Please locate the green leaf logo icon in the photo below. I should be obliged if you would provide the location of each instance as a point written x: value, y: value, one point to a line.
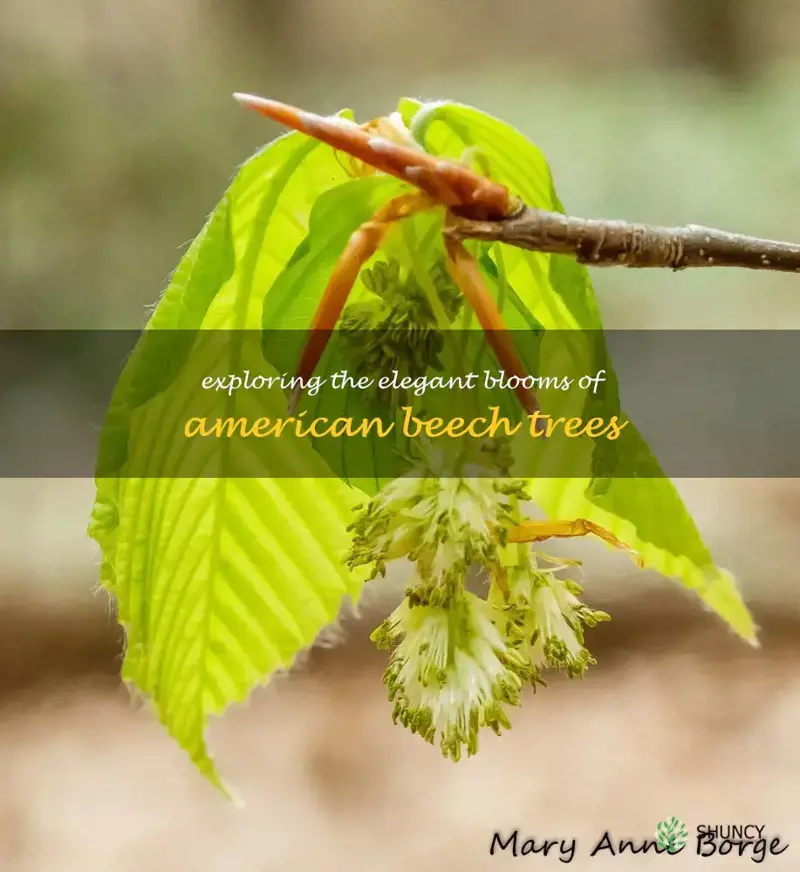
x: 672, y: 835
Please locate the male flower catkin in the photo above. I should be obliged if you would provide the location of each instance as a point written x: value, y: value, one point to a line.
x: 451, y: 671
x: 442, y: 524
x: 459, y: 661
x: 543, y: 617
x: 394, y: 328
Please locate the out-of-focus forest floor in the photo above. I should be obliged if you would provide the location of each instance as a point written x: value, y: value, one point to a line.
x: 677, y: 719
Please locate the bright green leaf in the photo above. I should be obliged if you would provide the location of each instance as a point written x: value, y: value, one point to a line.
x: 296, y: 293
x: 219, y: 581
x: 336, y: 215
x: 646, y: 513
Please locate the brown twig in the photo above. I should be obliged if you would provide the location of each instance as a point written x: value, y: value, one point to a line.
x: 619, y: 243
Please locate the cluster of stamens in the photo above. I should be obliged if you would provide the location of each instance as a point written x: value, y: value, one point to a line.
x: 458, y: 661
x: 394, y: 329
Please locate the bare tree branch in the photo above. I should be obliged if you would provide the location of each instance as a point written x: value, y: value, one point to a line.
x: 619, y: 243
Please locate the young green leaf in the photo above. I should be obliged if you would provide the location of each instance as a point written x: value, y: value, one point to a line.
x: 646, y: 513
x: 219, y: 580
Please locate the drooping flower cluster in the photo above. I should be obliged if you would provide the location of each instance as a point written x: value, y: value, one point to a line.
x: 458, y: 661
x: 544, y: 618
x: 444, y: 525
x: 451, y: 671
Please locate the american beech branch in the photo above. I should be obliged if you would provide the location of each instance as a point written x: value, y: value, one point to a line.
x: 620, y: 243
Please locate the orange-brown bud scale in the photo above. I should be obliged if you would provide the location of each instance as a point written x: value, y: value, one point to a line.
x: 442, y: 182
x: 447, y: 182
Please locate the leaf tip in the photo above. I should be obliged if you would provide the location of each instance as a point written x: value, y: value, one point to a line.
x: 753, y: 641
x: 723, y: 596
x: 230, y: 794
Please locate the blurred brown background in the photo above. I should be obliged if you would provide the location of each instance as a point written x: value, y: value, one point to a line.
x: 117, y: 136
